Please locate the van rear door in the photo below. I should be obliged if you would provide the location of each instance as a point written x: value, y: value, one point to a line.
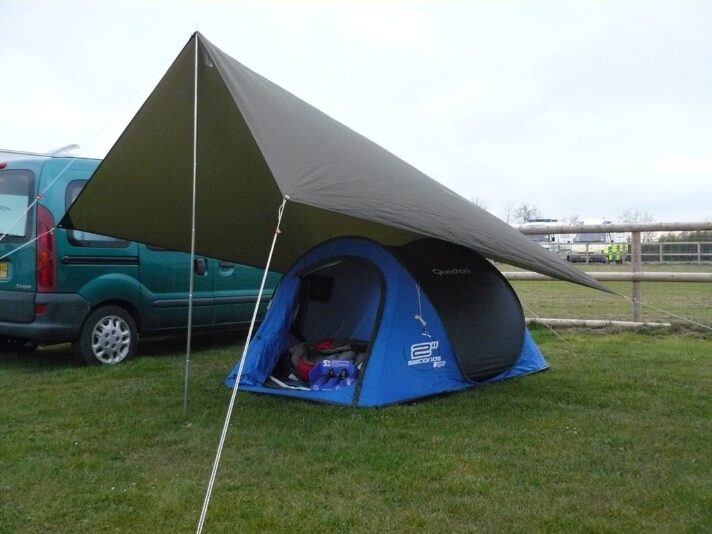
x: 17, y: 254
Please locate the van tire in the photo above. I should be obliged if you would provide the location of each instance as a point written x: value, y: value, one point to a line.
x: 108, y: 337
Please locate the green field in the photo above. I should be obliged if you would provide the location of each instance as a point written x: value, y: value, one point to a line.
x: 615, y: 437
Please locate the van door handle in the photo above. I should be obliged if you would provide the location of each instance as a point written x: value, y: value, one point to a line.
x: 200, y: 266
x: 226, y: 268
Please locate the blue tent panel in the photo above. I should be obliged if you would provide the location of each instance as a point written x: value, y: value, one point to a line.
x: 530, y: 361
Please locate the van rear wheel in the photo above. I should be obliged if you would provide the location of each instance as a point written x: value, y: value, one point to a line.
x: 108, y: 337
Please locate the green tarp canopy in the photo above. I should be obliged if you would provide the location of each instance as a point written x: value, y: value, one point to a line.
x: 256, y: 145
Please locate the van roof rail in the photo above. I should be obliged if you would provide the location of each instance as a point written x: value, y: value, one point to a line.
x: 59, y: 152
x: 65, y: 150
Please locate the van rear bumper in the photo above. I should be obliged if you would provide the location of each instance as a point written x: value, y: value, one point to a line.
x: 61, y: 320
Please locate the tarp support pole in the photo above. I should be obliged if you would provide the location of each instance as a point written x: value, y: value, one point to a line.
x: 191, y: 266
x: 233, y: 397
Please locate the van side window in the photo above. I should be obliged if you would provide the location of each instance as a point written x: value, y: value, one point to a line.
x: 80, y: 238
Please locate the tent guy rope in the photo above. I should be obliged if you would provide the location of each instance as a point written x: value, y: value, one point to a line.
x: 233, y: 397
x: 30, y: 242
x: 668, y: 313
x: 35, y: 201
x: 548, y: 327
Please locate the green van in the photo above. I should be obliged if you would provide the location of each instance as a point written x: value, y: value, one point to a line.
x: 97, y: 292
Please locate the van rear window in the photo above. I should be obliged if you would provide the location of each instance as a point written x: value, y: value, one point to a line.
x: 16, y: 193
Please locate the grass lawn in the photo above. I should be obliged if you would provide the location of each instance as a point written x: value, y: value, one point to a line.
x: 615, y: 437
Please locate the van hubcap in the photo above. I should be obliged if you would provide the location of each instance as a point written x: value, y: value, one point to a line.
x: 111, y: 339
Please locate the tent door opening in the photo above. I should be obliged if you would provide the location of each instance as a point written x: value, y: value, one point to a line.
x: 335, y: 320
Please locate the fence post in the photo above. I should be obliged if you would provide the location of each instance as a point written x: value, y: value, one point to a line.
x: 660, y: 246
x: 636, y: 250
x: 699, y: 252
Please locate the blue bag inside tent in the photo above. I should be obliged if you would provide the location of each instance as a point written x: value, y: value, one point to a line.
x: 435, y: 317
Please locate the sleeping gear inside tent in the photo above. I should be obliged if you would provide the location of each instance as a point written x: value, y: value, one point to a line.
x: 354, y: 322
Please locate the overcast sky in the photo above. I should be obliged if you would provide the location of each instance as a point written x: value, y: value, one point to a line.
x: 588, y: 108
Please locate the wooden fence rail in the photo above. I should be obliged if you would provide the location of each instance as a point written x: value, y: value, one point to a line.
x: 604, y: 276
x: 635, y: 275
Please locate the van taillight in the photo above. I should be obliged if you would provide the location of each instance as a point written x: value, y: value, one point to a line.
x: 46, y: 252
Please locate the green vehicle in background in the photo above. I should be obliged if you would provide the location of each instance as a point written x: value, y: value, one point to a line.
x: 97, y: 292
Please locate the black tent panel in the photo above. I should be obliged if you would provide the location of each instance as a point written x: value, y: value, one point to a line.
x: 480, y: 310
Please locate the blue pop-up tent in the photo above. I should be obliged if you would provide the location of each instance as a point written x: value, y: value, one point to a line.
x: 434, y: 316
